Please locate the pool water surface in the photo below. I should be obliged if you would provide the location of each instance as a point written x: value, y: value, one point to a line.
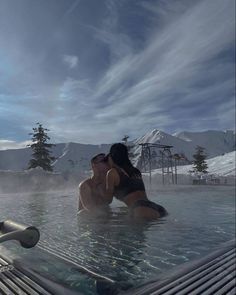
x: 114, y: 246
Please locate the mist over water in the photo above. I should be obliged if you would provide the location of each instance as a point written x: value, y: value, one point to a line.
x: 200, y: 218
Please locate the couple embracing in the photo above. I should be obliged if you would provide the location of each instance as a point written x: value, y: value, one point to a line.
x: 115, y: 176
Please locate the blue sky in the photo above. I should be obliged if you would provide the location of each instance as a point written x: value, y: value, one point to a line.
x: 92, y: 71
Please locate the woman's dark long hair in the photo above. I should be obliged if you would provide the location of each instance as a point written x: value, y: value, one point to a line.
x: 120, y: 156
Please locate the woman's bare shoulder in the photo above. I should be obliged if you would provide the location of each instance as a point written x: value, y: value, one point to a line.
x: 113, y: 171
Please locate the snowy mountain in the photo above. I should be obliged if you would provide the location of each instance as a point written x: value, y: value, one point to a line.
x: 18, y: 159
x: 160, y: 137
x: 71, y: 157
x: 75, y: 157
x: 215, y: 142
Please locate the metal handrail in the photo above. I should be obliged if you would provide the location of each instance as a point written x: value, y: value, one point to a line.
x: 28, y: 236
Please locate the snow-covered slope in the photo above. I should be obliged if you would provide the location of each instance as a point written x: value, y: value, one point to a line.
x: 223, y: 165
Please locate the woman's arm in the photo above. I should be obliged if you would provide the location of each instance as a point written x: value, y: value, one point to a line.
x: 112, y: 179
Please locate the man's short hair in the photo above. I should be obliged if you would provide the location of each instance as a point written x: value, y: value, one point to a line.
x: 101, y: 157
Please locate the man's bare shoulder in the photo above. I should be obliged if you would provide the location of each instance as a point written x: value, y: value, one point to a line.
x: 85, y: 183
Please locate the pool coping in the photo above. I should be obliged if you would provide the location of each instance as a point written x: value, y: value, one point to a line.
x: 176, y: 276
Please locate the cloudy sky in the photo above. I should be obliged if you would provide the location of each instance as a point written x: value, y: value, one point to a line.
x: 92, y: 71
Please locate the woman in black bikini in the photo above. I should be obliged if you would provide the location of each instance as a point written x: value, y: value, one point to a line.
x: 124, y: 181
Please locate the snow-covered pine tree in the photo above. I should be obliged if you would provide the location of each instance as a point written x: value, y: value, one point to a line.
x: 41, y: 149
x: 199, y: 162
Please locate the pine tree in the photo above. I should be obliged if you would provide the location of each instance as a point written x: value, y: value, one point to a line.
x: 41, y: 149
x: 200, y: 164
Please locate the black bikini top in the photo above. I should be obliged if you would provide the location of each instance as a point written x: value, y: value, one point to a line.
x: 127, y: 185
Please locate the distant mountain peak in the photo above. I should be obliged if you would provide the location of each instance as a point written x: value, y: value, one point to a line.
x: 73, y: 156
x: 155, y: 131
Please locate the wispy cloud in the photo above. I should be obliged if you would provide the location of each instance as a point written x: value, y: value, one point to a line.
x: 70, y: 60
x: 164, y: 83
x: 10, y: 144
x: 173, y: 66
x: 174, y: 70
x: 71, y: 8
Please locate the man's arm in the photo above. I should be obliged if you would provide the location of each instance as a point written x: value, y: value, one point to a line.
x: 80, y: 207
x: 85, y: 196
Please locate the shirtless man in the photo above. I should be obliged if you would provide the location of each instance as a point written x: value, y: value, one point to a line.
x: 90, y: 189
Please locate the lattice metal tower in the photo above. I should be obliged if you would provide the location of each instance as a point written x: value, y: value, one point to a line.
x: 166, y: 161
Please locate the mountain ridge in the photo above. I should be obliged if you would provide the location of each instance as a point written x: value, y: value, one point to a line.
x: 73, y: 157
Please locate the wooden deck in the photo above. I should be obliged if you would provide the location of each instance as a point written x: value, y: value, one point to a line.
x: 213, y: 274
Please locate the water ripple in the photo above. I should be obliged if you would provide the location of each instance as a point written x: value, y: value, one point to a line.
x: 112, y: 245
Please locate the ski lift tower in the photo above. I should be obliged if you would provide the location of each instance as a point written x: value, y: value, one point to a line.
x: 166, y: 161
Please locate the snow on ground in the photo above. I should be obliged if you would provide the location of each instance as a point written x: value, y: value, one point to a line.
x: 223, y: 165
x: 221, y: 170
